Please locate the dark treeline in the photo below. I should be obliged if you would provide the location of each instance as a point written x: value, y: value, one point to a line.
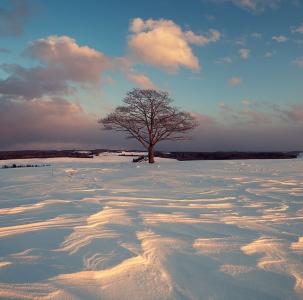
x: 228, y: 155
x: 13, y: 166
x: 26, y: 154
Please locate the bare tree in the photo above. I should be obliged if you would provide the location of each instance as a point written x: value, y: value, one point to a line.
x: 149, y: 117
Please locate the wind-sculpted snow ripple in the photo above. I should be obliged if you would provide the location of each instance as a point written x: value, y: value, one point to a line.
x: 105, y: 228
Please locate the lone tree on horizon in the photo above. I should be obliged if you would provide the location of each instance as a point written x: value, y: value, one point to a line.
x: 149, y: 117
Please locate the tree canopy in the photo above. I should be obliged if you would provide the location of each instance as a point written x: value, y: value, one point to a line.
x: 148, y: 116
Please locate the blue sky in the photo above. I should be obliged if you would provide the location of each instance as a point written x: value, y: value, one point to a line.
x: 242, y: 63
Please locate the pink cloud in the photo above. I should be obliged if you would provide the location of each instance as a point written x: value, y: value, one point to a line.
x: 293, y: 113
x: 204, y: 120
x: 141, y: 80
x: 77, y: 63
x: 244, y: 53
x: 62, y: 62
x: 164, y: 44
x: 234, y: 81
x: 280, y: 38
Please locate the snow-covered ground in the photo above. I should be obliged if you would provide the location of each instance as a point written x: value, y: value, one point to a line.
x: 106, y: 228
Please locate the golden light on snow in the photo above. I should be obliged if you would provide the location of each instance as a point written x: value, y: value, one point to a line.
x: 107, y: 228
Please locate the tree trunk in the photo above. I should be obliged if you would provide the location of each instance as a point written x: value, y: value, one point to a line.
x: 151, y: 159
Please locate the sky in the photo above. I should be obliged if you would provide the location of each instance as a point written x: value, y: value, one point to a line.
x: 236, y: 65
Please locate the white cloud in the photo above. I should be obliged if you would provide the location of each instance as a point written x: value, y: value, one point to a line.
x: 202, y: 40
x: 257, y: 5
x: 270, y: 54
x: 253, y: 6
x: 280, y: 38
x: 244, y: 53
x: 246, y: 102
x: 247, y: 4
x: 234, y: 81
x: 241, y: 41
x: 257, y: 35
x: 298, y: 29
x: 224, y: 60
x: 164, y: 44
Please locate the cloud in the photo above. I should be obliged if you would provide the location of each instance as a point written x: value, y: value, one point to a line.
x: 245, y: 114
x: 141, y: 80
x: 52, y: 123
x: 246, y: 102
x: 202, y: 40
x: 253, y: 6
x: 244, y: 53
x: 125, y: 65
x: 61, y: 62
x: 234, y: 81
x: 257, y: 35
x: 62, y: 66
x: 298, y: 62
x: 241, y: 41
x: 12, y: 19
x: 77, y: 63
x: 298, y: 29
x: 292, y: 113
x: 246, y: 129
x: 45, y: 121
x: 295, y: 113
x: 263, y: 113
x: 164, y: 44
x: 270, y: 54
x: 224, y: 60
x: 28, y: 83
x: 256, y: 117
x: 257, y: 5
x: 34, y: 110
x: 210, y: 17
x: 203, y: 120
x: 57, y: 123
x: 280, y: 38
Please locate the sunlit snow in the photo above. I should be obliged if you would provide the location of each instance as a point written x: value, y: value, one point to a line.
x: 106, y: 228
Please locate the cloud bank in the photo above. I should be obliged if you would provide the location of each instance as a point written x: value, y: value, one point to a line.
x: 35, y: 110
